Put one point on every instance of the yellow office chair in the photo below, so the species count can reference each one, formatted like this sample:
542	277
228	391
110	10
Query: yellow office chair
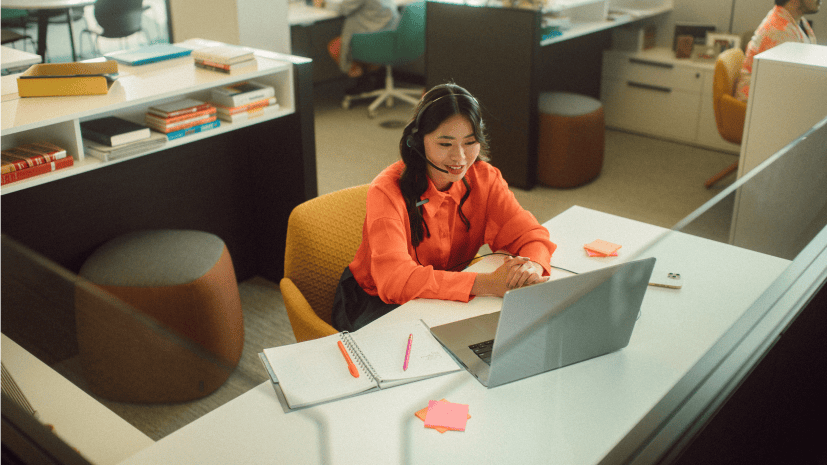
322	237
730	113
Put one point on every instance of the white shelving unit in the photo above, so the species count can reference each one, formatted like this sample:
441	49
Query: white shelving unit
57	119
651	92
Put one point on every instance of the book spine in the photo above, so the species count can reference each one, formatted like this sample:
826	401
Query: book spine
177	119
184	125
212	68
250	114
250	106
193	130
98	137
237	100
181	112
36	170
29	155
214	64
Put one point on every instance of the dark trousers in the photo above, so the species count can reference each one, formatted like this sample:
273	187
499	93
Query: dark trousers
354	308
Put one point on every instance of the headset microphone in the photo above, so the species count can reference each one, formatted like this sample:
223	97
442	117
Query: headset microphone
411	142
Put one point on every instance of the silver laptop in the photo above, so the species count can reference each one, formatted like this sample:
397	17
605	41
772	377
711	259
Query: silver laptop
551	325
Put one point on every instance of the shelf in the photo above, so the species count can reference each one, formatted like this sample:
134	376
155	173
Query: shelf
57	119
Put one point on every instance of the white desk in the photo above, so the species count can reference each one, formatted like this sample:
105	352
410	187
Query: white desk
577	414
12	58
96	432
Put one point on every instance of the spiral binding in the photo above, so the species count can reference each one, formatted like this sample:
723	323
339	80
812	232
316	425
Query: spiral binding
11	389
360	357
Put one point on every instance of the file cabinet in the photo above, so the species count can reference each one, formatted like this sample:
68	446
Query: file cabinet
653	93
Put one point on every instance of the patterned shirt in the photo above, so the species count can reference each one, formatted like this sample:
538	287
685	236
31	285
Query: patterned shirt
386	263
778	27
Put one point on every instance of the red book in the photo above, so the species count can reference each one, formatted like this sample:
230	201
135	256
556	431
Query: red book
178	108
29	155
183	125
151	118
44	168
258	104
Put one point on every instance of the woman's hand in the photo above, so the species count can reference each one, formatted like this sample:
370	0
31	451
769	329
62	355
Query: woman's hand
513	273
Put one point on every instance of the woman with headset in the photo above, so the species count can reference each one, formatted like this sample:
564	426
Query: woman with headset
429	213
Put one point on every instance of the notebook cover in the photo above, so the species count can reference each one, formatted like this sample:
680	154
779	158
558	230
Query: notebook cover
149	54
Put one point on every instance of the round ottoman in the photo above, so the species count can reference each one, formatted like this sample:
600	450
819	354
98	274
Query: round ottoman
571	139
180	334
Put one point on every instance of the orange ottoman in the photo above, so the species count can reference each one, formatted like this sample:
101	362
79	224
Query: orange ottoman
571	139
180	335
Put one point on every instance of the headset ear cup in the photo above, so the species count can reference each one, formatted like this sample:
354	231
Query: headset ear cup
410	141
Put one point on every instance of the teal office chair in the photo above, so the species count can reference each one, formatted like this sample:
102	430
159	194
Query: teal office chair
391	48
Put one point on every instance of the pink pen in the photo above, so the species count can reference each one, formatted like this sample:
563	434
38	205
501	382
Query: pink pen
408	353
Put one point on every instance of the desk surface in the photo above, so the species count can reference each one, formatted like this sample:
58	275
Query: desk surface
576	414
81	421
13	58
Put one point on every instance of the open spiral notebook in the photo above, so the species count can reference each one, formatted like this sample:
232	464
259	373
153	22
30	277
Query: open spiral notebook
312	372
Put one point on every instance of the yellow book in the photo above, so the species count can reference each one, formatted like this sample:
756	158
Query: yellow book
49	80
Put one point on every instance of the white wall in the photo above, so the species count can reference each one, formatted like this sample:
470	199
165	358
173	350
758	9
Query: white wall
260	24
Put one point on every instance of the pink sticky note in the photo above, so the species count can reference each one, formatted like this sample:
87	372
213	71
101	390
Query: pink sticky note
447	415
592	253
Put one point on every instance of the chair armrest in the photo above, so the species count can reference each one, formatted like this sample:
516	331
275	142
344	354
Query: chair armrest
306	324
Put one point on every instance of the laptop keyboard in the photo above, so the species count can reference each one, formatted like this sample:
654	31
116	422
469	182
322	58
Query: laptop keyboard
483	350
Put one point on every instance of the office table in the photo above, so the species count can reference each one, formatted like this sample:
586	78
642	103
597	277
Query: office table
580	414
43	9
17	59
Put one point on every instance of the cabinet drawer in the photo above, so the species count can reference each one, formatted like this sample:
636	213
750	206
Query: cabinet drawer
646	71
649	109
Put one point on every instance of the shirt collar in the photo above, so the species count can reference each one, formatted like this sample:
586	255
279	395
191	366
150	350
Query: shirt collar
436	197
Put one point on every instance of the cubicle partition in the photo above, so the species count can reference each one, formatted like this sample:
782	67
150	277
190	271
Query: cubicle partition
501	55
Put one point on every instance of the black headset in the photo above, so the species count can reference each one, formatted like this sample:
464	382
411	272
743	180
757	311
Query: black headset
412	142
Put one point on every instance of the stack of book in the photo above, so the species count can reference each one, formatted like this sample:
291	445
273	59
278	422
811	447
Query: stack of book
224	58
111	138
182	117
244	100
28	160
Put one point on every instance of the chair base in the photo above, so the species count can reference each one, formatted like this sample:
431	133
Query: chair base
726	171
385	95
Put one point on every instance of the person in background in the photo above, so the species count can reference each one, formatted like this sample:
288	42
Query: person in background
360	16
784	23
429	213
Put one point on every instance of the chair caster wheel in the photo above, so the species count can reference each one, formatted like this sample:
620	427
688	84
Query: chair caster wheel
346	104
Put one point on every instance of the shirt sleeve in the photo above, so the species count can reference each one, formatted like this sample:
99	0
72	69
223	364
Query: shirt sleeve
398	277
512	228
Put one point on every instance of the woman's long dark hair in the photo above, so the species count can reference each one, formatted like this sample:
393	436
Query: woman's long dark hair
436	106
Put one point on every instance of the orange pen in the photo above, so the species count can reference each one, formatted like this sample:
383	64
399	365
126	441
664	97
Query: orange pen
350	365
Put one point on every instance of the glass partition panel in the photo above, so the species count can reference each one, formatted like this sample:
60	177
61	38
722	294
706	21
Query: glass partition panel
151	374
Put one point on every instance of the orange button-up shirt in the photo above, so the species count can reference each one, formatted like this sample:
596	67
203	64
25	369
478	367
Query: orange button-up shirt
386	263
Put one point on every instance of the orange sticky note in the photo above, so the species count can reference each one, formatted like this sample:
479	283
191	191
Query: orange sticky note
592	253
422	413
603	247
447	415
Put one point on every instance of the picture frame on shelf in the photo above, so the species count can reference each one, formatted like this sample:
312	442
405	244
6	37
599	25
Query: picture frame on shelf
696	30
722	42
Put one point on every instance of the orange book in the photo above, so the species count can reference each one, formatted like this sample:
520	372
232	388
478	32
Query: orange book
27	173
29	155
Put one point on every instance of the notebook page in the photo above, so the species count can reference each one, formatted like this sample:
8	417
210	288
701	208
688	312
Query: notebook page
385	346
315	371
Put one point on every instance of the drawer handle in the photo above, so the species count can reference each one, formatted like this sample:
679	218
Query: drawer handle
651	63
648	87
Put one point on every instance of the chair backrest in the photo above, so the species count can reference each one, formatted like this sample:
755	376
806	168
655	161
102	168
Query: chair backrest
323	235
119	18
402	45
727	68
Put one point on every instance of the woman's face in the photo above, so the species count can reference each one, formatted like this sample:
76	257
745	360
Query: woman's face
452	147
